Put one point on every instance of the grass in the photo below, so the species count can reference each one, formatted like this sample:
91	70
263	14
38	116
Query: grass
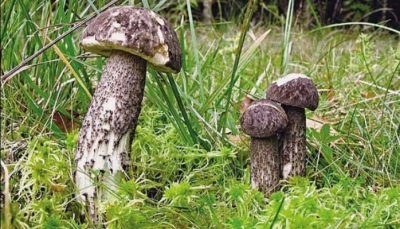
190	165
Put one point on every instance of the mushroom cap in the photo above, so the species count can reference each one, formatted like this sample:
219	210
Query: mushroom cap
295	90
135	30
263	118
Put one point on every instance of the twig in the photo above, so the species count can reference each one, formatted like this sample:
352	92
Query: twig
397	92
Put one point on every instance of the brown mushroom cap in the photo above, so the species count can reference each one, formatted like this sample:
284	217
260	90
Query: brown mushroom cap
295	90
135	30
263	118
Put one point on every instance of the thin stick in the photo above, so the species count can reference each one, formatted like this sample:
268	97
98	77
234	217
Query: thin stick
8	75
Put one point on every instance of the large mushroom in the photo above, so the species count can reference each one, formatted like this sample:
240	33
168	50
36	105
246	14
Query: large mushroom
295	92
263	120
130	37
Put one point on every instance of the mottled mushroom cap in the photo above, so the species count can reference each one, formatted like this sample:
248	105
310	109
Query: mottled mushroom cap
135	30
295	90
263	118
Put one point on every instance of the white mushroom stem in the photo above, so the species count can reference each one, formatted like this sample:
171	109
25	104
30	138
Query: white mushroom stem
293	143
265	164
105	139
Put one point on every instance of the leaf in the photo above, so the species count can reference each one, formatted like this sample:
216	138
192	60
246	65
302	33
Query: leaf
65	123
318	122
246	101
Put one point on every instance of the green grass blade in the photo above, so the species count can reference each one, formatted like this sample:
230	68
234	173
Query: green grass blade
38	110
182	109
286	38
314	13
245	27
146	4
277	213
93	7
159	5
195	51
357	23
5	22
171	109
245	59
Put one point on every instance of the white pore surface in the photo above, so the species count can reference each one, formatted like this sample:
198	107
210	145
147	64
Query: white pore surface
89	41
290	77
160	59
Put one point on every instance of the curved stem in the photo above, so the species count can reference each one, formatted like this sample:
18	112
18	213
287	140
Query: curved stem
106	135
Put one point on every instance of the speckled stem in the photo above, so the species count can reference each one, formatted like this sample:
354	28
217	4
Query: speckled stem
105	139
265	164
292	144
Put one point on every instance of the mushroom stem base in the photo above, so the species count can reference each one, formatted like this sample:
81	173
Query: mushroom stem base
265	164
104	144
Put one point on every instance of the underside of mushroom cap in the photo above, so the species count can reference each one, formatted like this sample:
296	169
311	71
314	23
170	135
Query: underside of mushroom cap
263	118
135	30
295	90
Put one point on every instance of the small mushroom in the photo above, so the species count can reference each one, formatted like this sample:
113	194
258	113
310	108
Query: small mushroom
263	120
130	37
295	92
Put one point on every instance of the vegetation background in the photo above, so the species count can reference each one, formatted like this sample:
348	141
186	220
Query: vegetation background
193	172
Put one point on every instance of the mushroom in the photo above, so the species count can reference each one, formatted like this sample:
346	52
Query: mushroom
263	120
130	37
295	92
